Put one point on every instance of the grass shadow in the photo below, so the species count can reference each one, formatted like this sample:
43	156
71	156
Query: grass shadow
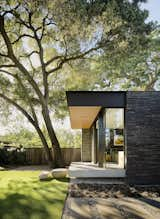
28	198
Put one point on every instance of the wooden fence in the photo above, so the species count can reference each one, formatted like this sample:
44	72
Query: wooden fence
36	156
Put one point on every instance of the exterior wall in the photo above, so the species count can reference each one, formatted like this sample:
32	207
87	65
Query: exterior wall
143	137
86	145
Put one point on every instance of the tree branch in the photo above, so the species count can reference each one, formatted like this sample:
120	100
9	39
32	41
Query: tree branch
43	27
4	55
41	54
29	54
150	86
53	59
19	19
11	10
16	62
6	72
8	66
22	36
28	99
18	107
153	80
31	120
26	92
71	58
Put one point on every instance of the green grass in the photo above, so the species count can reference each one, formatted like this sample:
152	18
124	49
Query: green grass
23	196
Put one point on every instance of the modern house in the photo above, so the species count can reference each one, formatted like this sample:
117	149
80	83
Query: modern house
120	130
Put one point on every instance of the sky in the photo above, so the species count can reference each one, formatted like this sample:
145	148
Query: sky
153	6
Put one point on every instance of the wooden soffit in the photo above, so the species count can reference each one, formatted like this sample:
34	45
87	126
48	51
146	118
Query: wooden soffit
83	116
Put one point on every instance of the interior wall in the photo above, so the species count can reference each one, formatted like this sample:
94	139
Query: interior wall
86	145
94	143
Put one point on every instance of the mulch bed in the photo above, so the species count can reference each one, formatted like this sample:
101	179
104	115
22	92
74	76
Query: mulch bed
113	191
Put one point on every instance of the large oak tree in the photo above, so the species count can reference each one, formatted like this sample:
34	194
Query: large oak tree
39	40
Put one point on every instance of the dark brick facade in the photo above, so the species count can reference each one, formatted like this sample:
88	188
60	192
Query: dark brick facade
143	137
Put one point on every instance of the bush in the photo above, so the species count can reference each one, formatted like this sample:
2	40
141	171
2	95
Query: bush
12	156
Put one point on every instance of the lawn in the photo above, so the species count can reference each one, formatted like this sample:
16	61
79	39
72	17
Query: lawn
23	196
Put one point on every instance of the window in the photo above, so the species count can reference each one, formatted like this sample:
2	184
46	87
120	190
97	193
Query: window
115	118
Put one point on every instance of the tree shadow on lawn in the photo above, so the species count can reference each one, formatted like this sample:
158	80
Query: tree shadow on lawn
32	200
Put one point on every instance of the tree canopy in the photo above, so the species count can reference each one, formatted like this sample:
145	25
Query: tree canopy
140	70
27	138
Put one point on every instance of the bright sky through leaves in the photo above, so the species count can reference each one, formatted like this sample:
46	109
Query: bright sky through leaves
153	6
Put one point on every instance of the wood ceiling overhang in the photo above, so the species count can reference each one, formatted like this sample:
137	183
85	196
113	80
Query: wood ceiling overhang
83	116
84	106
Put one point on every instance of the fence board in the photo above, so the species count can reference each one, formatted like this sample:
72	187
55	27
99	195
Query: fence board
36	156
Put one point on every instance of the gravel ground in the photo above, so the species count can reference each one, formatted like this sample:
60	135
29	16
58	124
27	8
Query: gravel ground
112	201
113	191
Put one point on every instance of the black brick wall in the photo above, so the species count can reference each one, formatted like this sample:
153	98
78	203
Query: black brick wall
143	137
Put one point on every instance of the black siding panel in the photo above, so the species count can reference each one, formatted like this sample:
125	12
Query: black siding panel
96	98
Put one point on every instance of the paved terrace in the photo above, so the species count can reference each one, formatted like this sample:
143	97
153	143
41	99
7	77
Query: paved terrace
89	170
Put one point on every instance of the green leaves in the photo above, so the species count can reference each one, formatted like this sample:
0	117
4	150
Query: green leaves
54	35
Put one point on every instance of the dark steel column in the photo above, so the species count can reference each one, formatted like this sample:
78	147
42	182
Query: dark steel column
101	139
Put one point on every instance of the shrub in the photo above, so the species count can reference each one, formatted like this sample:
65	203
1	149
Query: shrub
12	156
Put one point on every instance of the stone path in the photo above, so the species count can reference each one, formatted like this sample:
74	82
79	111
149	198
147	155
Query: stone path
111	208
121	207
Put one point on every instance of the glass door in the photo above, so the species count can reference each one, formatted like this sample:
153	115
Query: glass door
114	137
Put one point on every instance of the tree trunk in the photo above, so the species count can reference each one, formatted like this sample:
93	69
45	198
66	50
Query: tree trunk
46	148
35	125
58	159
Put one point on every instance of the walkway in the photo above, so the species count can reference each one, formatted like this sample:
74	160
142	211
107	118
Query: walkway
89	170
111	208
108	201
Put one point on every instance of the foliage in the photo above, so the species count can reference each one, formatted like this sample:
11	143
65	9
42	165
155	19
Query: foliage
12	156
23	137
113	27
137	71
43	42
69	138
24	196
28	138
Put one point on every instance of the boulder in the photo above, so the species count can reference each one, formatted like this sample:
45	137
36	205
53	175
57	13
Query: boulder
59	173
45	175
2	168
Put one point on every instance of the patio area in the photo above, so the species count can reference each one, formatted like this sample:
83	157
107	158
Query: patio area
90	170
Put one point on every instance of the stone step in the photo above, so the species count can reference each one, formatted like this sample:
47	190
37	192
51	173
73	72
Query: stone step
97	181
87	173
